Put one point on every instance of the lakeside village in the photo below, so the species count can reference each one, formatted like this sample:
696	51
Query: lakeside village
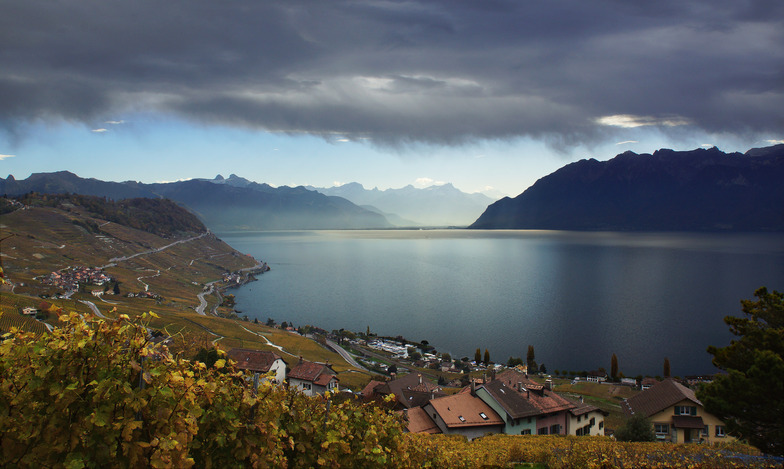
505	400
73	279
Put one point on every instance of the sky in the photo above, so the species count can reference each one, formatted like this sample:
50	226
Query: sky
487	95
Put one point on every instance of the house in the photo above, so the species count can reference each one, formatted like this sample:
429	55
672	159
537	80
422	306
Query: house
676	414
260	361
313	378
596	376
647	383
517	412
30	311
411	390
586	420
629	382
553	417
464	414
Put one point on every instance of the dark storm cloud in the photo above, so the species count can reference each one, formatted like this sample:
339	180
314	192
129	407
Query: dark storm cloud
396	72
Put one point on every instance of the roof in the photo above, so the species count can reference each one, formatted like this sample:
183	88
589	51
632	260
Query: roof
687	421
546	401
370	389
465	410
254	360
583	408
659	397
412	390
512	402
311	371
420	422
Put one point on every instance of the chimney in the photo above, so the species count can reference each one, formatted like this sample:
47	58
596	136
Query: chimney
473	387
492	375
581	399
419	375
519	386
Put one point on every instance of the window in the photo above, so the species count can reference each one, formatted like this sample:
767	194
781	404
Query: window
462	419
601	424
685	410
579	417
483	415
542	431
720	432
555	429
705	432
662	430
527	431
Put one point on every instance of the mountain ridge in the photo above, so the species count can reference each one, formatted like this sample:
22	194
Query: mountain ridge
436	205
225	206
696	190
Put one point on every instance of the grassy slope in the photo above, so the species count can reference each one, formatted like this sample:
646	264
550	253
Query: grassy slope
38	241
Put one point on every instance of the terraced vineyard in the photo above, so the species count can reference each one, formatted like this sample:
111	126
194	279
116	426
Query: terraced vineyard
40	239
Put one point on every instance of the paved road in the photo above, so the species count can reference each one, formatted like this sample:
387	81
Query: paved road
346	356
94	308
202	301
151	251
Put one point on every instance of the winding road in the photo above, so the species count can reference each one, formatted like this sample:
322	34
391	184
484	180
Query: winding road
94	308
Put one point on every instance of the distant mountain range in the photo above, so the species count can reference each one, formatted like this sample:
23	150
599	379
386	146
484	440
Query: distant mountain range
442	205
698	190
221	206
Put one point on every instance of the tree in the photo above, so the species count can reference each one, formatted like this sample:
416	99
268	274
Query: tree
446	357
542	369
531	358
637	428
478	356
749	398
614	367
666	371
487	357
513	362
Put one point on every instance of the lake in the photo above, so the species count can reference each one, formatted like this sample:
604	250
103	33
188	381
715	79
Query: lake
576	297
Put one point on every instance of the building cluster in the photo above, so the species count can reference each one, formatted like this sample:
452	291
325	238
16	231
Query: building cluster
397	349
69	279
509	403
310	378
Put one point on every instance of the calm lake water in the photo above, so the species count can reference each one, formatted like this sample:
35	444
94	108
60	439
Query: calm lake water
576	297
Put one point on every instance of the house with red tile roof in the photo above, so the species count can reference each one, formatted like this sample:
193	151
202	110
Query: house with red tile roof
676	414
411	390
417	421
260	361
553	409
464	414
313	378
518	412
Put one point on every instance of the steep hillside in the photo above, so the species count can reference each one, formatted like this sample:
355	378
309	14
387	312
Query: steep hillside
50	241
699	190
221	206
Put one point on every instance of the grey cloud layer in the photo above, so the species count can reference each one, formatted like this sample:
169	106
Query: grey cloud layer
395	72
